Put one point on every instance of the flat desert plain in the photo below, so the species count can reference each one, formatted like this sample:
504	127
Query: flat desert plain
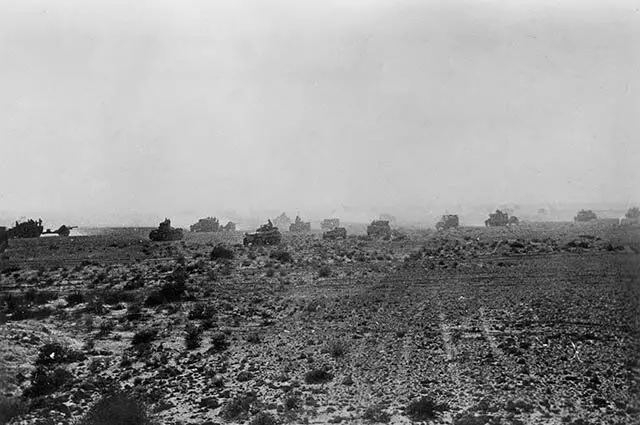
532	324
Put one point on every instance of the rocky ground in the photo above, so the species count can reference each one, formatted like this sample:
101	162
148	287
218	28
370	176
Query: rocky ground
534	324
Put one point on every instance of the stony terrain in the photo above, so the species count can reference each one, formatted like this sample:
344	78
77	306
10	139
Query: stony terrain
532	324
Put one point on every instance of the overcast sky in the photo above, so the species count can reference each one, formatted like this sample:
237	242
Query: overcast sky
172	105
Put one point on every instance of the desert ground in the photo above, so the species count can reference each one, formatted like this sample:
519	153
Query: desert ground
532	324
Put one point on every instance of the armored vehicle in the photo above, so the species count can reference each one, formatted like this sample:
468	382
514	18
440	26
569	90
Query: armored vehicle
63	231
330	223
267	234
448	221
498	218
165	232
26	229
209	224
585	215
336	233
379	228
300	226
4	239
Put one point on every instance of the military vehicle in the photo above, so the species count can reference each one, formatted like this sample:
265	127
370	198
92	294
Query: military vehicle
63	231
498	218
330	223
267	234
165	232
448	221
229	227
209	224
585	215
26	229
379	228
300	226
335	233
4	239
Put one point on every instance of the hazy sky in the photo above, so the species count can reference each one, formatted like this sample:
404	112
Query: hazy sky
172	105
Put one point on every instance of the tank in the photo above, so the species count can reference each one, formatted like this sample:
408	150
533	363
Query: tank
4	239
379	228
26	229
448	221
300	226
267	234
63	231
330	223
165	232
585	215
498	218
336	233
209	224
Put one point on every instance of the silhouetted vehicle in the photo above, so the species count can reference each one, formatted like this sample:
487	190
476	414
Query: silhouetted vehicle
63	231
4	239
585	215
336	233
330	223
448	221
267	234
498	218
209	224
379	228
300	226
165	232
26	229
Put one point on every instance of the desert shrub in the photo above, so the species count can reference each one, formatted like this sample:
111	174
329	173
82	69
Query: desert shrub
318	376
324	271
94	306
292	402
202	311
179	276
337	348
263	418
469	419
253	338
281	256
55	353
106	327
26	313
238	407
33	296
220	252
11	407
117	408
144	336
424	409
74	299
46	381
270	272
193	337
376	414
134	312
219	341
170	292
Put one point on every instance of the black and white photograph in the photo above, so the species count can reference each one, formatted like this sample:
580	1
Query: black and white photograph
307	212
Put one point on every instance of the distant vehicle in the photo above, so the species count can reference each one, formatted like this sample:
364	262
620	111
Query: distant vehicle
209	224
330	223
26	229
448	221
63	231
267	234
335	233
585	215
388	217
165	232
4	239
379	228
300	226
500	218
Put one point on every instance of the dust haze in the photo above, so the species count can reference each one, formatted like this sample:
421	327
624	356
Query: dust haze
115	113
